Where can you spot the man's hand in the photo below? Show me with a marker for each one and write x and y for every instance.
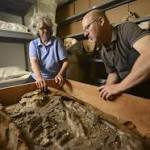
(108, 92)
(41, 83)
(59, 79)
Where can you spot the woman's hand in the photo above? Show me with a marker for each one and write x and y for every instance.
(59, 79)
(41, 83)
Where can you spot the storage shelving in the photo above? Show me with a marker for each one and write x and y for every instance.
(105, 6)
(18, 8)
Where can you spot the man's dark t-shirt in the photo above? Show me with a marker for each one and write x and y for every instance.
(120, 55)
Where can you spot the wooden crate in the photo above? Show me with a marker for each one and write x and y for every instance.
(126, 108)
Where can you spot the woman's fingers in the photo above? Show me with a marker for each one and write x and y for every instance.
(41, 84)
(59, 79)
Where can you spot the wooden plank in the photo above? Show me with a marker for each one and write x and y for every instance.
(126, 107)
(12, 95)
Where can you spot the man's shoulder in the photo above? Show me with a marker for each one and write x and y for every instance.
(127, 30)
(126, 26)
(127, 23)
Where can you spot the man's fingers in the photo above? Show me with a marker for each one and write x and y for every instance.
(101, 87)
(104, 94)
(112, 97)
(107, 92)
(108, 96)
(101, 93)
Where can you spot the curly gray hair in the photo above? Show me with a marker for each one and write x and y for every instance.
(39, 19)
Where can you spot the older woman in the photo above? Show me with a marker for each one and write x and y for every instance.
(48, 57)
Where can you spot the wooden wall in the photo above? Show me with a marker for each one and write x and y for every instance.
(115, 15)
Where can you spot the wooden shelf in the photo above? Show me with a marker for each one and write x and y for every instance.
(65, 3)
(137, 20)
(106, 6)
(6, 36)
(142, 19)
(16, 7)
(80, 36)
(19, 8)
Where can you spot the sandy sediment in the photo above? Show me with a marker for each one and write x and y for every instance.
(57, 122)
(10, 136)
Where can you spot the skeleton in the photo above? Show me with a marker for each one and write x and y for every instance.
(60, 122)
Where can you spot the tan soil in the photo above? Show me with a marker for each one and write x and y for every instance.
(10, 135)
(56, 122)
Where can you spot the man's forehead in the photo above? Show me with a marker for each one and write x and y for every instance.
(90, 17)
(87, 19)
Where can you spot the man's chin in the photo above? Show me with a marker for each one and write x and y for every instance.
(96, 40)
(92, 39)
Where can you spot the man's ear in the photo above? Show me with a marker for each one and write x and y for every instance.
(101, 21)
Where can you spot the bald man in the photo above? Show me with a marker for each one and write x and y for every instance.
(125, 52)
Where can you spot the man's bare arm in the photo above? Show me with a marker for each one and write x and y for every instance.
(112, 78)
(141, 68)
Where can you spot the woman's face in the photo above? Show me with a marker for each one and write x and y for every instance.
(45, 32)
